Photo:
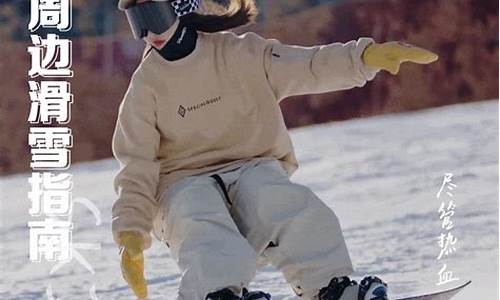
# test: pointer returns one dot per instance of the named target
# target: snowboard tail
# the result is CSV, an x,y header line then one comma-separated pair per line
x,y
441,295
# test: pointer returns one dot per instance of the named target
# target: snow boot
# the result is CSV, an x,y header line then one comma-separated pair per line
x,y
257,295
370,288
227,294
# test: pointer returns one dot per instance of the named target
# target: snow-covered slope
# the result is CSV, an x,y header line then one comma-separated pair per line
x,y
379,174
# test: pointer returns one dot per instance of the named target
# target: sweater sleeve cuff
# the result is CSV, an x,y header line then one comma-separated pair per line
x,y
366,71
122,223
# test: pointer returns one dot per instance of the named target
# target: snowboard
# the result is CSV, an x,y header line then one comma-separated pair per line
x,y
441,295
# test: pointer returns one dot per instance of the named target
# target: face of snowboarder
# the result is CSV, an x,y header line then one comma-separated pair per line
x,y
160,40
151,20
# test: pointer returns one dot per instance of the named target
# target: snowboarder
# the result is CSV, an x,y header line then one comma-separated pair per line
x,y
206,158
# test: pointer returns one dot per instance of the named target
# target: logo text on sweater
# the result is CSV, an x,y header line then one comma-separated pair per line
x,y
182,111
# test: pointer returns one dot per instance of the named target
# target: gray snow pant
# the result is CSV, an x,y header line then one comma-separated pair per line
x,y
217,243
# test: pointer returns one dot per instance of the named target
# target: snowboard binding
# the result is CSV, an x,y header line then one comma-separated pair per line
x,y
343,288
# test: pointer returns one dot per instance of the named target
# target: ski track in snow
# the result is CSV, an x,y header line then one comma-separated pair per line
x,y
379,174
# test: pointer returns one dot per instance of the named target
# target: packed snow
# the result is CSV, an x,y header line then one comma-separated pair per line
x,y
380,175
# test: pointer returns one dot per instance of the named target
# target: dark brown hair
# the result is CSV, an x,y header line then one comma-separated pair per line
x,y
238,13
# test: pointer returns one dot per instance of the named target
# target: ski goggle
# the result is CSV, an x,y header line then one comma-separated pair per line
x,y
153,16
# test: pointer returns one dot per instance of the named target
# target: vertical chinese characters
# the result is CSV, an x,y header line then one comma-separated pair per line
x,y
446,240
51,100
50,141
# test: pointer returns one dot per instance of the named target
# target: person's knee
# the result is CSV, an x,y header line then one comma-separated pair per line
x,y
291,201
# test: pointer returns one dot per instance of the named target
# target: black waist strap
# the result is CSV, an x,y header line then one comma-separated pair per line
x,y
220,182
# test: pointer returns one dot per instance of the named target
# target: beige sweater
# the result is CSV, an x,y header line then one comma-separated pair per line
x,y
217,106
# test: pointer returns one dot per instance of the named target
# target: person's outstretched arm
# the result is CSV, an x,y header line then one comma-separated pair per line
x,y
296,70
136,143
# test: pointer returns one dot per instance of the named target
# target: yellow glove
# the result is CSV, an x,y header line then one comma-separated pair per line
x,y
389,56
132,262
